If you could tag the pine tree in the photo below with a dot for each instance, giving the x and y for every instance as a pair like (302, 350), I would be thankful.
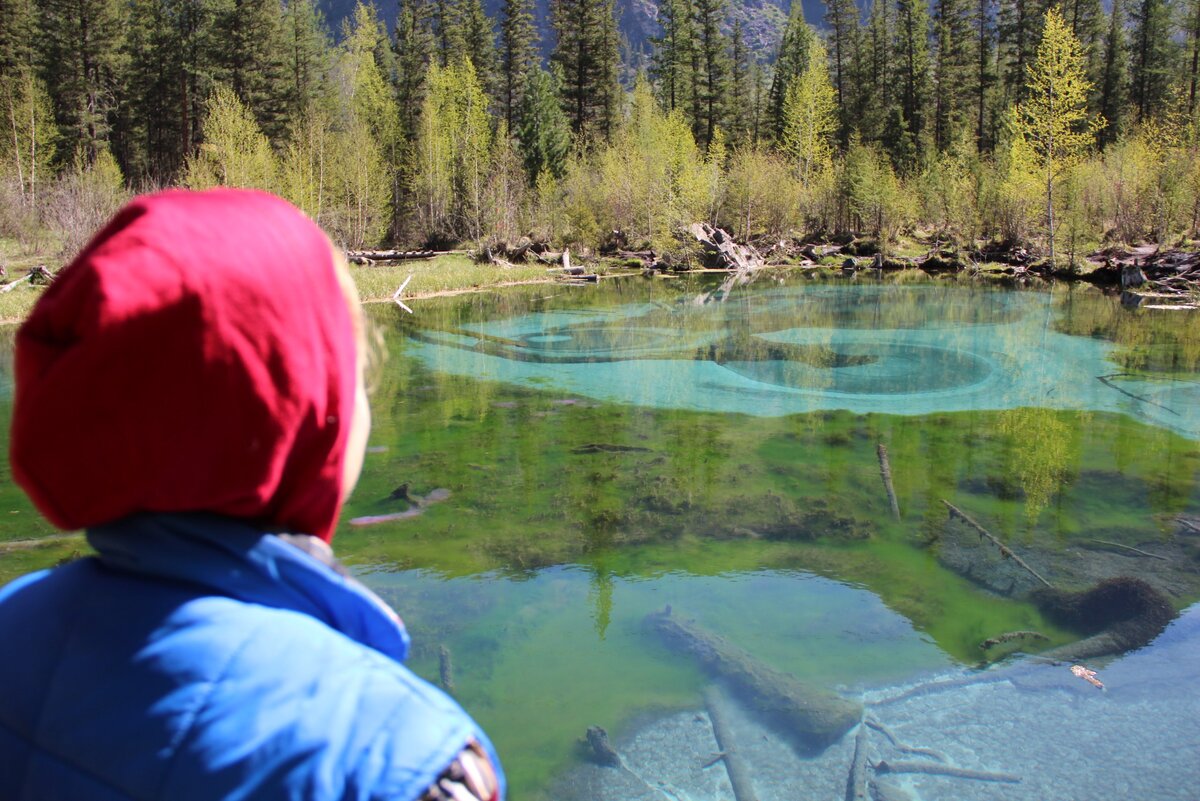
(17, 36)
(81, 62)
(714, 68)
(671, 58)
(305, 58)
(414, 48)
(875, 72)
(443, 15)
(518, 57)
(248, 44)
(545, 133)
(1193, 69)
(479, 44)
(952, 71)
(1114, 76)
(1018, 25)
(912, 60)
(1154, 57)
(740, 120)
(982, 24)
(842, 18)
(1052, 124)
(587, 53)
(790, 63)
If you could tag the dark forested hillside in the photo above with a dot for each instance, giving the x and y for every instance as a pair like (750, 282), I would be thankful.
(762, 20)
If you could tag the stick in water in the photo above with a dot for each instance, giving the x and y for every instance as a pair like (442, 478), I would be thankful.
(1005, 551)
(885, 471)
(938, 769)
(739, 773)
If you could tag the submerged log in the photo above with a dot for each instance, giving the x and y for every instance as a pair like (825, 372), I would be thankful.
(885, 472)
(1005, 551)
(813, 717)
(1121, 614)
(602, 751)
(735, 766)
(856, 782)
(446, 669)
(938, 769)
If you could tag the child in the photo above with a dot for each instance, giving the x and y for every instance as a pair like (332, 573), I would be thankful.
(189, 391)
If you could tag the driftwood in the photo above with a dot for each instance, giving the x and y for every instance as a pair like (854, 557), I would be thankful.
(735, 766)
(856, 782)
(1010, 636)
(446, 669)
(1005, 551)
(902, 747)
(814, 717)
(371, 256)
(1131, 549)
(885, 472)
(938, 769)
(1192, 527)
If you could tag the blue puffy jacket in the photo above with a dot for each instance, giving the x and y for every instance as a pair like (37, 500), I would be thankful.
(198, 658)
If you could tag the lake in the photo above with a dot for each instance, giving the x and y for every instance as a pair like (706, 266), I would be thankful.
(561, 462)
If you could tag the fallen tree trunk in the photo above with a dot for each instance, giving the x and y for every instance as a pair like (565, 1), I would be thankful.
(735, 766)
(814, 717)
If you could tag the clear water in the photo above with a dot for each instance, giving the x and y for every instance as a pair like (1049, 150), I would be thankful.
(612, 450)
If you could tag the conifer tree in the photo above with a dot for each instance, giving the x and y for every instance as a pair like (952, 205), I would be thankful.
(305, 57)
(952, 69)
(912, 66)
(810, 117)
(671, 59)
(81, 60)
(740, 119)
(1018, 26)
(1154, 55)
(842, 18)
(713, 50)
(1114, 76)
(247, 46)
(413, 44)
(586, 52)
(875, 71)
(443, 15)
(982, 24)
(545, 133)
(16, 36)
(1193, 69)
(518, 57)
(790, 63)
(479, 44)
(1052, 124)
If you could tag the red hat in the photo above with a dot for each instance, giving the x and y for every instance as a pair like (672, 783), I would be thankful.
(198, 355)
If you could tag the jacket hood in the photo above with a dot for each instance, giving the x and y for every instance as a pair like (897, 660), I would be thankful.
(198, 355)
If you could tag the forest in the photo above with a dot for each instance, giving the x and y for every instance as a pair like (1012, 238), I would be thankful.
(971, 124)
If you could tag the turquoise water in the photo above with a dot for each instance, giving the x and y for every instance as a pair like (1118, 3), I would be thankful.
(594, 455)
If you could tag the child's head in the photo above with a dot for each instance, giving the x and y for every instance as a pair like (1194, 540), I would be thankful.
(203, 353)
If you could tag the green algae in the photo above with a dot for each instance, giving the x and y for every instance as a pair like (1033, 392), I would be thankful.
(569, 517)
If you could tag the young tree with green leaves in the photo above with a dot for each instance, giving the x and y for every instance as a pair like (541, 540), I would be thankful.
(235, 151)
(810, 117)
(790, 63)
(1052, 127)
(27, 144)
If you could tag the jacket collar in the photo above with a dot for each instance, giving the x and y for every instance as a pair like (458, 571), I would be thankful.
(232, 558)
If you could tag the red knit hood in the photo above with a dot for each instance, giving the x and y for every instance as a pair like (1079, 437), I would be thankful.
(198, 355)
